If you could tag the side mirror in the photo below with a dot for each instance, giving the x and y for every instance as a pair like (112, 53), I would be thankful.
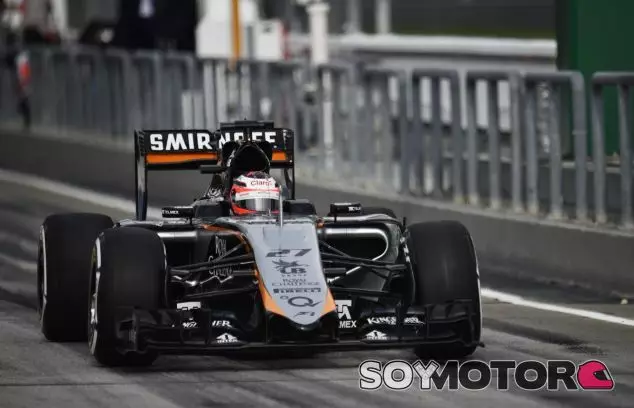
(344, 208)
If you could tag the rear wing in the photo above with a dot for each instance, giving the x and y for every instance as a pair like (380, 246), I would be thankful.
(201, 149)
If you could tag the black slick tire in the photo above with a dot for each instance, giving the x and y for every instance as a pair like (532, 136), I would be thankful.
(128, 271)
(446, 269)
(63, 269)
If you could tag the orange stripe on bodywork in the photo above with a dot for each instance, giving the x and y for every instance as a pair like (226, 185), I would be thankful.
(279, 156)
(238, 234)
(269, 303)
(217, 228)
(176, 158)
(330, 305)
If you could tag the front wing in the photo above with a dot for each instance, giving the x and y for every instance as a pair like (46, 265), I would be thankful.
(200, 331)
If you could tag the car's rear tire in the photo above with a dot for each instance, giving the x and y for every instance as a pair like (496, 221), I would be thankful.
(446, 269)
(128, 271)
(63, 270)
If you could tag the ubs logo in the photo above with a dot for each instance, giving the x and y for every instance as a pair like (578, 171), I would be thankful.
(289, 268)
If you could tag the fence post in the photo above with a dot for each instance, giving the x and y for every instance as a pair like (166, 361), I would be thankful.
(598, 152)
(284, 72)
(574, 81)
(457, 138)
(580, 137)
(472, 144)
(623, 81)
(493, 79)
(338, 75)
(517, 97)
(382, 77)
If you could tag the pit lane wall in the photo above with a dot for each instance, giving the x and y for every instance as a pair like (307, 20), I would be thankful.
(506, 243)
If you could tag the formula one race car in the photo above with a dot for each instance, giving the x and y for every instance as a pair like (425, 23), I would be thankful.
(250, 267)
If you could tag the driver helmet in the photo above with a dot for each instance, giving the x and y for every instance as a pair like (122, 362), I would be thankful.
(255, 192)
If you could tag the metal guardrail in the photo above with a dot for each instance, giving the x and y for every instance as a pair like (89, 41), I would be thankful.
(493, 79)
(624, 82)
(387, 130)
(574, 81)
(438, 45)
(436, 152)
(380, 136)
(332, 82)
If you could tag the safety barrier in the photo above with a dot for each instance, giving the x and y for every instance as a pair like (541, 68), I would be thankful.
(492, 80)
(623, 81)
(436, 152)
(384, 141)
(379, 129)
(574, 81)
(341, 146)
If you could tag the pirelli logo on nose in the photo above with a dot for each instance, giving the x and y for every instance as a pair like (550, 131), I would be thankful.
(180, 142)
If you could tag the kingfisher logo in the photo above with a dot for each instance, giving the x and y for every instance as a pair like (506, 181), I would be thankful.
(530, 375)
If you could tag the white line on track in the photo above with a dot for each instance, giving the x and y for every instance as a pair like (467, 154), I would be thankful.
(18, 263)
(26, 245)
(520, 301)
(121, 204)
(74, 192)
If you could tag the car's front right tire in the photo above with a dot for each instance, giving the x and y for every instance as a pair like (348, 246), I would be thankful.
(128, 272)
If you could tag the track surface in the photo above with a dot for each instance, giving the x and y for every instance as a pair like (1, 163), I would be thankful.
(35, 372)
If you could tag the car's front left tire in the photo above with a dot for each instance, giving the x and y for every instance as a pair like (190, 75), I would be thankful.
(63, 269)
(128, 272)
(446, 272)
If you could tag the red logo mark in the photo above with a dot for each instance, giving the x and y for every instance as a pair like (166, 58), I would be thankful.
(594, 375)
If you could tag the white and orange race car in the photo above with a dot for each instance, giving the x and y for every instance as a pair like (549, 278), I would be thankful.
(206, 281)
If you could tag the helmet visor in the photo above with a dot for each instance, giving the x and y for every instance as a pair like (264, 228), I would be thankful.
(258, 204)
(258, 201)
